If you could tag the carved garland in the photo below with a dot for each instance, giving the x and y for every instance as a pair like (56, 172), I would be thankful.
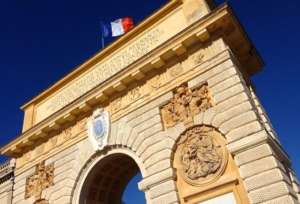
(186, 104)
(42, 179)
(201, 155)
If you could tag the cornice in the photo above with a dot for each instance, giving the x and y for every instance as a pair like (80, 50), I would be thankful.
(220, 23)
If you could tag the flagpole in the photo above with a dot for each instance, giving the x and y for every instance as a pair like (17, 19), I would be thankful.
(103, 42)
(102, 35)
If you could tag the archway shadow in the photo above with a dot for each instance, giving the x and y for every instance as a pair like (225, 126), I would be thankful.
(107, 181)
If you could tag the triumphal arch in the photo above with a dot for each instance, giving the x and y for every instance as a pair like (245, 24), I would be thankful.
(172, 99)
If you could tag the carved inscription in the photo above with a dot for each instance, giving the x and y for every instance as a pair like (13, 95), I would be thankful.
(101, 73)
(201, 154)
(39, 181)
(186, 104)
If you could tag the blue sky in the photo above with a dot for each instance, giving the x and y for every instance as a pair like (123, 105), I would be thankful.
(41, 41)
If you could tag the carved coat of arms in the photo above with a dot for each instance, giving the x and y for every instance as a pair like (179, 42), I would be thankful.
(99, 128)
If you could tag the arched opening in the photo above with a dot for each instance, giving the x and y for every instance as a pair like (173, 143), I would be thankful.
(108, 179)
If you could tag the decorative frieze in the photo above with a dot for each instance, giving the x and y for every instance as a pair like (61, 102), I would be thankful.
(201, 155)
(54, 142)
(185, 104)
(42, 179)
(149, 88)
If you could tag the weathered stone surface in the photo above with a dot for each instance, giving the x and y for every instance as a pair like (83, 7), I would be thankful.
(288, 199)
(269, 192)
(253, 154)
(259, 166)
(266, 178)
(157, 106)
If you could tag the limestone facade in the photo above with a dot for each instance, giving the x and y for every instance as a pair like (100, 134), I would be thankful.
(184, 114)
(6, 181)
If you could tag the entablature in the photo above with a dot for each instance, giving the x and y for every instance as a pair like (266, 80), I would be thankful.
(219, 24)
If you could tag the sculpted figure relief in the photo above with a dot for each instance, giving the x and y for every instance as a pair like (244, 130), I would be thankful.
(200, 155)
(39, 181)
(185, 104)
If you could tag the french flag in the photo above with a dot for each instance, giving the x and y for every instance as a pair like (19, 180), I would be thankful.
(117, 28)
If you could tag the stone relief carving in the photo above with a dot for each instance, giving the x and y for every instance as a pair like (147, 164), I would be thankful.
(39, 181)
(41, 201)
(185, 104)
(152, 85)
(201, 155)
(198, 58)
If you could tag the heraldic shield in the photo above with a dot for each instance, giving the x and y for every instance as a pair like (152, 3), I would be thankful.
(99, 128)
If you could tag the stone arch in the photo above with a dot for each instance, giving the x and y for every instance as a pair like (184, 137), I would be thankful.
(100, 164)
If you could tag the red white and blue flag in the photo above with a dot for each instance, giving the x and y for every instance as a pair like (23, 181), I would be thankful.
(117, 28)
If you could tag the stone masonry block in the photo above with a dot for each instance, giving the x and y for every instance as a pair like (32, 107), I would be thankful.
(228, 73)
(69, 165)
(69, 174)
(66, 191)
(67, 183)
(253, 154)
(175, 131)
(288, 199)
(204, 77)
(259, 166)
(144, 117)
(265, 179)
(153, 104)
(149, 141)
(198, 119)
(166, 143)
(238, 121)
(231, 102)
(222, 117)
(228, 93)
(143, 135)
(62, 200)
(208, 116)
(63, 156)
(269, 192)
(114, 132)
(132, 137)
(244, 131)
(162, 189)
(123, 133)
(148, 123)
(224, 85)
(247, 142)
(168, 198)
(158, 167)
(159, 156)
(155, 179)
